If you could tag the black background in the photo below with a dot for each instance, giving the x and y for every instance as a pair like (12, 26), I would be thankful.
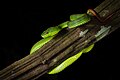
(21, 28)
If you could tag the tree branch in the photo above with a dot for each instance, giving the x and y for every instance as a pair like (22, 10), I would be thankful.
(67, 43)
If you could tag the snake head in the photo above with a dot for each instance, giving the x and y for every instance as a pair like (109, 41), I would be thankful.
(50, 31)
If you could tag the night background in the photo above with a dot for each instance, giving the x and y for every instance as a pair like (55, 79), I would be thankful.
(21, 28)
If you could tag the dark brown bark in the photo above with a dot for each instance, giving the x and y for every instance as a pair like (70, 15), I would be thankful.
(67, 43)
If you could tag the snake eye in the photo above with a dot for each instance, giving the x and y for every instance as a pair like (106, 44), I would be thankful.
(47, 32)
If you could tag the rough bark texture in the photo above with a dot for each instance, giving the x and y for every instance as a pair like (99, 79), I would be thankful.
(67, 43)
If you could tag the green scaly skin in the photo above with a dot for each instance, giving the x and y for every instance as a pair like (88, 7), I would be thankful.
(75, 21)
(70, 60)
